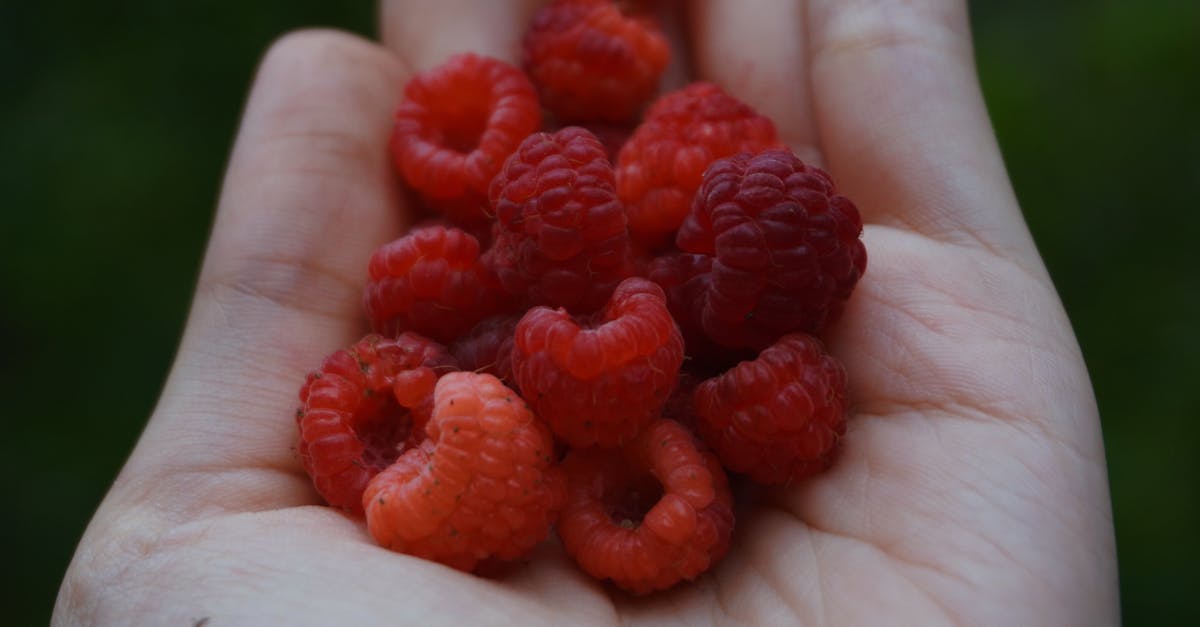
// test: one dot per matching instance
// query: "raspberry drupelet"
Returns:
(363, 407)
(658, 513)
(660, 167)
(592, 63)
(484, 485)
(560, 237)
(456, 126)
(779, 417)
(786, 248)
(600, 384)
(431, 282)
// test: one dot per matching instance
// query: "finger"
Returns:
(426, 32)
(902, 122)
(307, 196)
(772, 77)
(671, 17)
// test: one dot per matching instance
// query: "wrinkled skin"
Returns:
(972, 487)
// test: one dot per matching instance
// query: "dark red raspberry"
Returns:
(456, 126)
(483, 486)
(592, 63)
(656, 514)
(659, 169)
(685, 278)
(560, 237)
(362, 408)
(488, 347)
(785, 246)
(601, 383)
(430, 282)
(778, 418)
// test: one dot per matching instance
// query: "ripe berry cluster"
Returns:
(579, 341)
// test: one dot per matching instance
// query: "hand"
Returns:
(972, 485)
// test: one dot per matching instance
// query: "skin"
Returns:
(971, 488)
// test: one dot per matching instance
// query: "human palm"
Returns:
(971, 488)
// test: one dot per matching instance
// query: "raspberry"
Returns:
(656, 514)
(456, 126)
(600, 384)
(364, 406)
(679, 406)
(431, 282)
(482, 486)
(611, 136)
(488, 347)
(482, 232)
(786, 248)
(777, 418)
(591, 63)
(659, 169)
(560, 238)
(685, 278)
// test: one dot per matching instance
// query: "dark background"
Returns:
(117, 119)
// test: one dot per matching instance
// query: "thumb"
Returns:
(308, 195)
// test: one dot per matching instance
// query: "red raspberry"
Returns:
(362, 408)
(786, 248)
(679, 405)
(777, 418)
(656, 514)
(560, 237)
(488, 347)
(431, 282)
(591, 63)
(456, 126)
(600, 384)
(482, 486)
(659, 169)
(482, 232)
(611, 136)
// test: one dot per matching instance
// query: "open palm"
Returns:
(971, 488)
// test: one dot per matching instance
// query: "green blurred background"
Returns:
(116, 123)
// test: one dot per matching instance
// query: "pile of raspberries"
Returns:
(611, 304)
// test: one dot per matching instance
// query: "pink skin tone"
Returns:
(972, 487)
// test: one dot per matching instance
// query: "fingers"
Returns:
(671, 16)
(756, 50)
(308, 195)
(425, 32)
(901, 119)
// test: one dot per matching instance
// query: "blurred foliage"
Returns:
(1095, 105)
(117, 120)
